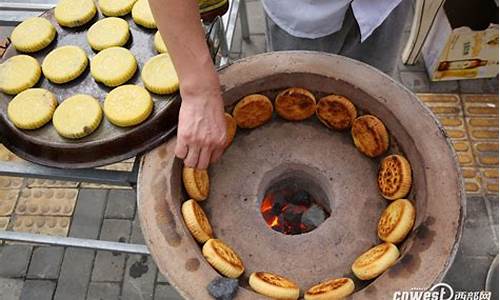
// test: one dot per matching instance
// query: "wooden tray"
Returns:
(108, 144)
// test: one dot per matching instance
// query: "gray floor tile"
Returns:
(476, 209)
(88, 214)
(478, 238)
(468, 273)
(417, 67)
(11, 288)
(38, 290)
(115, 230)
(492, 207)
(14, 260)
(234, 56)
(136, 237)
(140, 276)
(256, 17)
(256, 45)
(418, 82)
(493, 201)
(449, 86)
(75, 274)
(109, 266)
(479, 86)
(120, 204)
(46, 263)
(103, 291)
(166, 292)
(161, 279)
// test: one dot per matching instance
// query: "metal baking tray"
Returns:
(109, 143)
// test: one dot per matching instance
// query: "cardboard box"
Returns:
(463, 42)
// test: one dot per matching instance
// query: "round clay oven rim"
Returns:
(436, 238)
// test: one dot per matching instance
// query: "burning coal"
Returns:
(290, 209)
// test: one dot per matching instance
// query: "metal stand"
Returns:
(12, 13)
(73, 242)
(31, 170)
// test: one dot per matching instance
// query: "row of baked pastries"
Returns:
(369, 136)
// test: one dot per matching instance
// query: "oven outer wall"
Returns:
(438, 188)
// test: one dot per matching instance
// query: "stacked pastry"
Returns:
(113, 66)
(218, 254)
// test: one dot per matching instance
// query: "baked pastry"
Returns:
(375, 261)
(64, 64)
(396, 221)
(394, 177)
(295, 104)
(128, 105)
(115, 8)
(253, 111)
(113, 66)
(230, 129)
(19, 73)
(273, 286)
(77, 116)
(196, 221)
(223, 258)
(32, 108)
(108, 32)
(159, 44)
(33, 35)
(159, 75)
(74, 13)
(196, 182)
(332, 289)
(142, 15)
(336, 112)
(370, 136)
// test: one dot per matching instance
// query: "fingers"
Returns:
(192, 157)
(204, 158)
(195, 156)
(181, 149)
(216, 154)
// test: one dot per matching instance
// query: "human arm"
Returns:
(201, 131)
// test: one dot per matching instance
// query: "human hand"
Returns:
(201, 132)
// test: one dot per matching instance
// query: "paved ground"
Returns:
(468, 109)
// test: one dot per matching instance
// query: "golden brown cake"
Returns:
(295, 104)
(332, 289)
(273, 286)
(196, 221)
(394, 177)
(375, 261)
(253, 111)
(370, 136)
(230, 129)
(223, 258)
(396, 221)
(336, 112)
(196, 182)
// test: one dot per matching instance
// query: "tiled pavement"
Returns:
(467, 109)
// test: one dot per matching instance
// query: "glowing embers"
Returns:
(290, 207)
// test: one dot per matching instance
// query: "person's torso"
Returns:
(318, 18)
